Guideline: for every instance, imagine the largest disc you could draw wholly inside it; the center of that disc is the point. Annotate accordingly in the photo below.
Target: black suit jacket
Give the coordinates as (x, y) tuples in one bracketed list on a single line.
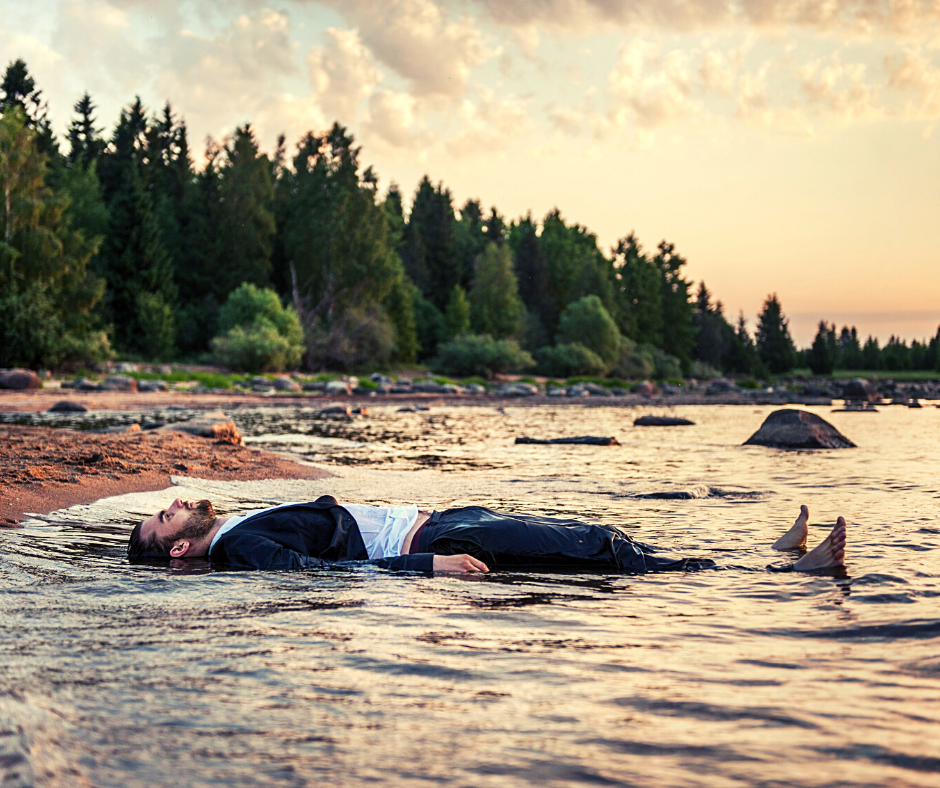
[(313, 535)]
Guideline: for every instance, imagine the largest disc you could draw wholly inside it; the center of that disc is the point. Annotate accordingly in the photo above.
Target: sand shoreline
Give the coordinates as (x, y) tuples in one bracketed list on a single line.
[(44, 469)]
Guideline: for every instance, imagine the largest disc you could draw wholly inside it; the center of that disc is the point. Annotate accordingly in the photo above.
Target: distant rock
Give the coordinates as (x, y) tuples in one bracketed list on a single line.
[(337, 387), (587, 440), (517, 389), (578, 390), (722, 386), (400, 389), (474, 388), (84, 384), (314, 385), (151, 385), (450, 388), (212, 424), (798, 429), (381, 380), (19, 379), (126, 366), (118, 383), (662, 421), (859, 389), (644, 388), (597, 390), (336, 410), (284, 383), (557, 391), (66, 406), (427, 387)]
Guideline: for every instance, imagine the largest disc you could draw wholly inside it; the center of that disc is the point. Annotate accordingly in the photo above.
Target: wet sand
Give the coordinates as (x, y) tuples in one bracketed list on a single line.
[(44, 469)]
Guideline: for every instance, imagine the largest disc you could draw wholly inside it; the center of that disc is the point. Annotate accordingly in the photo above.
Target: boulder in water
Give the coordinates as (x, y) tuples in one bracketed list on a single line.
[(661, 421), (859, 389), (798, 429)]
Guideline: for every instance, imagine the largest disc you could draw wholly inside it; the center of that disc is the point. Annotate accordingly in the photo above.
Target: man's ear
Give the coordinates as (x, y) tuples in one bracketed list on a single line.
[(180, 548)]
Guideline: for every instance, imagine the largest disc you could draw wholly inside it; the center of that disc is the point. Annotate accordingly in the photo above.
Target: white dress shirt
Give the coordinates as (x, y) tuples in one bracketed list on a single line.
[(383, 528)]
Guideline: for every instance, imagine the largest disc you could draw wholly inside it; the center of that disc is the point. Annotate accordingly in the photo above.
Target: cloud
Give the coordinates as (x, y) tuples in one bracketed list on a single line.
[(489, 124), (913, 75), (838, 89), (392, 120), (343, 73), (417, 40), (911, 17), (651, 88)]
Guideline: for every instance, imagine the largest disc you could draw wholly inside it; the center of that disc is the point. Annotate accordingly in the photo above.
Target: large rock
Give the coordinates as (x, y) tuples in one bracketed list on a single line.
[(644, 388), (798, 429), (84, 384), (859, 389), (212, 424), (118, 383), (19, 379)]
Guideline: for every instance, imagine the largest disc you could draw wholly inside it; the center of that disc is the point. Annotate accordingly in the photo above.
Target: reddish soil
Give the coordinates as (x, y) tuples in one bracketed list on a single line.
[(43, 469)]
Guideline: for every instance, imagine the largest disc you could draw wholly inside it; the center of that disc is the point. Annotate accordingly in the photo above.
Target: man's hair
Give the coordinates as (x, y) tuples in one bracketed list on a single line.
[(151, 547)]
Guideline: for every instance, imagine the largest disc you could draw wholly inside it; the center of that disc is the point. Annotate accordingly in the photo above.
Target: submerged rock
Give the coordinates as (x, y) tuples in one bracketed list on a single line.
[(67, 406), (662, 421), (588, 440), (798, 429)]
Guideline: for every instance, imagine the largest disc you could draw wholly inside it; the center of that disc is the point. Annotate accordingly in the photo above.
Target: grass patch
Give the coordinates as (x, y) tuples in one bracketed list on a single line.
[(748, 383)]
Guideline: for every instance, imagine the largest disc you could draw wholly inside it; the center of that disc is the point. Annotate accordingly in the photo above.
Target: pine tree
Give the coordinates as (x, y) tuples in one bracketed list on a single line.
[(774, 344), (46, 291), (678, 330), (824, 353), (85, 141), (495, 306), (430, 252), (141, 290), (640, 293)]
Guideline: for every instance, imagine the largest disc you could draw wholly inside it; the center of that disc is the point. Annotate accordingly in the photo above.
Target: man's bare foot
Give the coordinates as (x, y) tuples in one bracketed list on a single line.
[(795, 538), (828, 553)]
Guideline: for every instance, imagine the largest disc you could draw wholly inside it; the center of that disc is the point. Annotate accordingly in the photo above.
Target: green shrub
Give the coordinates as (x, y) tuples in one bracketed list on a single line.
[(704, 371), (588, 323), (664, 365), (569, 359), (473, 354), (633, 363), (359, 338), (257, 348), (748, 383), (258, 333)]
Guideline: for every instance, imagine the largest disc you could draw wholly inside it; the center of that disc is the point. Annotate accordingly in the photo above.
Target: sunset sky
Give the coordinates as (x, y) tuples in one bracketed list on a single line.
[(788, 146)]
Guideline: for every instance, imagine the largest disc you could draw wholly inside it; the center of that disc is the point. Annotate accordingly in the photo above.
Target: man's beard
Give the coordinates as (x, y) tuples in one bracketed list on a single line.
[(200, 522)]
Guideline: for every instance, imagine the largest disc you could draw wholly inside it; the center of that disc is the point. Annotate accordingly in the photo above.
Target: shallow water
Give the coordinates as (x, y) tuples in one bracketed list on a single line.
[(112, 675)]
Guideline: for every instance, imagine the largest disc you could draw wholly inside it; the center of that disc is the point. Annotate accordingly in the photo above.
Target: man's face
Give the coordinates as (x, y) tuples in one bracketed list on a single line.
[(181, 519)]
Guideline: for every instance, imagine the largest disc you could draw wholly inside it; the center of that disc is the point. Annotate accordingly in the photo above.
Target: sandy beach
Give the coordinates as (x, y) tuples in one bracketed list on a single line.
[(43, 469)]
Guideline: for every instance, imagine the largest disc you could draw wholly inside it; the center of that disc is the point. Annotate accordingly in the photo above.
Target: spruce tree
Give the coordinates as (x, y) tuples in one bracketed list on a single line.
[(774, 344), (822, 357), (678, 329), (639, 293), (430, 252), (19, 91), (85, 141)]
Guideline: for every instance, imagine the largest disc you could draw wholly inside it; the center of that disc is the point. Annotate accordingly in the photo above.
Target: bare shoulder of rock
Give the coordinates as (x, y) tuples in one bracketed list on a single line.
[(212, 424), (798, 429)]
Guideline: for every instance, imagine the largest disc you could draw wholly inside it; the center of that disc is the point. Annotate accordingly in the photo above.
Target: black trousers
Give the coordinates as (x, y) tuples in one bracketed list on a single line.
[(530, 542)]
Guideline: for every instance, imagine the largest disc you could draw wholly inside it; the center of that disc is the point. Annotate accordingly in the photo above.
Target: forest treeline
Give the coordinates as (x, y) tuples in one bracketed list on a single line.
[(118, 243)]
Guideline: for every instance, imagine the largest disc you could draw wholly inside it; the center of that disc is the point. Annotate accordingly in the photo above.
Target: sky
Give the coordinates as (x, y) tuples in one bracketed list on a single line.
[(783, 146)]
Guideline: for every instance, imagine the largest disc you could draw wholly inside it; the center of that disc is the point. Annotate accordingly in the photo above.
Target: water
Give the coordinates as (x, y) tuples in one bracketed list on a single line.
[(112, 675)]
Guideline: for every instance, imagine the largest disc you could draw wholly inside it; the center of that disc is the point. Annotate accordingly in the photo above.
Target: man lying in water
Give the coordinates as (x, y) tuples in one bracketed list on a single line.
[(468, 540)]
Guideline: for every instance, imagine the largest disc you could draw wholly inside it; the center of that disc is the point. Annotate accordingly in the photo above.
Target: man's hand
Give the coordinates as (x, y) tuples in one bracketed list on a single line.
[(462, 564)]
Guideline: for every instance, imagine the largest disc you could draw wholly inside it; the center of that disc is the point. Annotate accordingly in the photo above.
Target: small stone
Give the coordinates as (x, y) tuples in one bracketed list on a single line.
[(151, 385)]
